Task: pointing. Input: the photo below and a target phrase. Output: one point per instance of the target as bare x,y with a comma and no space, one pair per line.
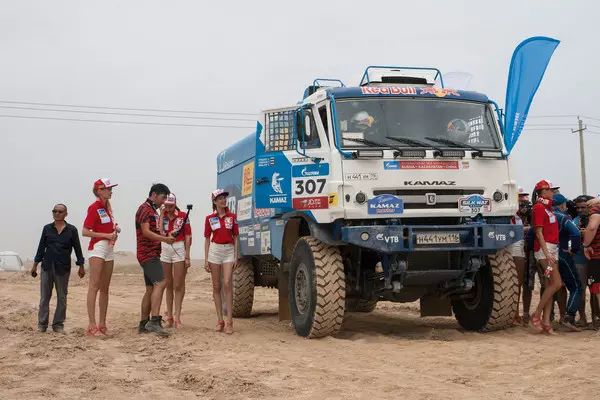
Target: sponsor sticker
389,90
310,170
333,199
265,243
250,241
474,204
247,179
311,203
244,209
266,161
263,212
428,164
385,204
389,165
362,176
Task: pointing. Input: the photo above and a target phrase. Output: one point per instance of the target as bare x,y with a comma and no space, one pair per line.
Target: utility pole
581,154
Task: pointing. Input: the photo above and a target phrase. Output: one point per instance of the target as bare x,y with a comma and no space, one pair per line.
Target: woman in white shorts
221,253
546,228
175,257
99,225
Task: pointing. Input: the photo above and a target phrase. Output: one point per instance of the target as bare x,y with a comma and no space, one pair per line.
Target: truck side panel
235,168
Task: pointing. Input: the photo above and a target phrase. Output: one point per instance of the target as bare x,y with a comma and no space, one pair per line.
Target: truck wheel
243,288
317,288
360,305
495,296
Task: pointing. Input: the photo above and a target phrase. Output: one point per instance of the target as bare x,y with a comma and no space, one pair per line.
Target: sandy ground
391,353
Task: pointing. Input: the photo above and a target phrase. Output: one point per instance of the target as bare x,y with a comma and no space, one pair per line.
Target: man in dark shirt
54,252
148,254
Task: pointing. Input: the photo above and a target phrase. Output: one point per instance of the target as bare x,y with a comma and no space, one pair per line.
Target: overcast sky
242,56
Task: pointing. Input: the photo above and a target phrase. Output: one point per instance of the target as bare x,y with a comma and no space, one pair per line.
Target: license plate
438,238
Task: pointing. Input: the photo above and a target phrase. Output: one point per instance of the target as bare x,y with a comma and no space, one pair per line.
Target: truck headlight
498,196
361,197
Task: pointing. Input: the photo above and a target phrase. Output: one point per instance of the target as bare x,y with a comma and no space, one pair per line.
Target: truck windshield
465,122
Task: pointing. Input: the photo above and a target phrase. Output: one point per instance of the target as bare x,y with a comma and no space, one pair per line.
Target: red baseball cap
103,183
543,184
171,200
219,192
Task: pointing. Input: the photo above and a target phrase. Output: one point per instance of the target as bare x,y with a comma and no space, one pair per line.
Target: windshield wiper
454,143
371,143
414,143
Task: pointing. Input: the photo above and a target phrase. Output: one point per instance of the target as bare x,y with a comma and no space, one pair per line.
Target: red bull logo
439,92
389,90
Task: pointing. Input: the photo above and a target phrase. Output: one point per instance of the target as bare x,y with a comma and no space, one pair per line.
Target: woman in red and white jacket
221,253
546,229
100,226
175,257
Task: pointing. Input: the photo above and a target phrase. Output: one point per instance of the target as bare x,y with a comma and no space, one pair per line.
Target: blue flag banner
527,67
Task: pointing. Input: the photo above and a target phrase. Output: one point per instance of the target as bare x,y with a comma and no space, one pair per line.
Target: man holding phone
148,236
57,242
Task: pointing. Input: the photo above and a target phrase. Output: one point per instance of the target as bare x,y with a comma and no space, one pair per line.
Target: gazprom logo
310,170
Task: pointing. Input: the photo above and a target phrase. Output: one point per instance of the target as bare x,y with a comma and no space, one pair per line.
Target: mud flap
284,303
434,306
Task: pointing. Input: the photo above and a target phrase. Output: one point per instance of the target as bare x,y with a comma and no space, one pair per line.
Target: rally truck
398,189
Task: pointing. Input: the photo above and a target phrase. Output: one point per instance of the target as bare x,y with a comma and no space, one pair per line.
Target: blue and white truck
398,190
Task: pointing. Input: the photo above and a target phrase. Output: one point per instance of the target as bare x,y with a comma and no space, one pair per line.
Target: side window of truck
324,120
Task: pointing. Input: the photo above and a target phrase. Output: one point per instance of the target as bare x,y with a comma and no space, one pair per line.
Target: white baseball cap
219,192
171,200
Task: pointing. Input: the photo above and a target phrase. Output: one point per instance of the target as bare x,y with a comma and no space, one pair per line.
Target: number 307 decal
310,186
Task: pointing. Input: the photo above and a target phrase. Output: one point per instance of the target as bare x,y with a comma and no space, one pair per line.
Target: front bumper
406,238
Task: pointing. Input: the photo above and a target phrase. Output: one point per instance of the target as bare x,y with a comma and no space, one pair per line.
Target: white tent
10,261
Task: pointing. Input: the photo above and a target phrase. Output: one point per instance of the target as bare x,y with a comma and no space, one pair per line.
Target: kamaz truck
397,190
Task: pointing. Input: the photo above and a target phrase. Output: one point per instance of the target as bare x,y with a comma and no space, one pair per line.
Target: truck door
310,164
292,163
273,171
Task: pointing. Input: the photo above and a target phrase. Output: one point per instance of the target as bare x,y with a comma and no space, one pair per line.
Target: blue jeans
569,275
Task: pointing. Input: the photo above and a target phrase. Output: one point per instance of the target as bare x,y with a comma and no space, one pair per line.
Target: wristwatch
585,246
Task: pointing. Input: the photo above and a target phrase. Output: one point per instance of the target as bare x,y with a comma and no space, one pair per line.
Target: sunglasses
58,211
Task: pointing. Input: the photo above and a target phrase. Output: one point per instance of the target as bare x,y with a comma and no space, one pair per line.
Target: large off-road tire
495,296
243,288
317,288
360,305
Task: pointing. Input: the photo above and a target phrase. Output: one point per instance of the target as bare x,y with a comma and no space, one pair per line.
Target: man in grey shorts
148,254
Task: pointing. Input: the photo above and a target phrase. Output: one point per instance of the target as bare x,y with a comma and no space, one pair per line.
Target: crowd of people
561,247
164,239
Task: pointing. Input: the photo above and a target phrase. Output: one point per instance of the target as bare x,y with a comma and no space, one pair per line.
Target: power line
595,126
123,108
124,122
126,114
595,119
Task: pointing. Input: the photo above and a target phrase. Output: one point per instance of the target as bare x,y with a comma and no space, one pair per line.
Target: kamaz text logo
387,239
430,183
